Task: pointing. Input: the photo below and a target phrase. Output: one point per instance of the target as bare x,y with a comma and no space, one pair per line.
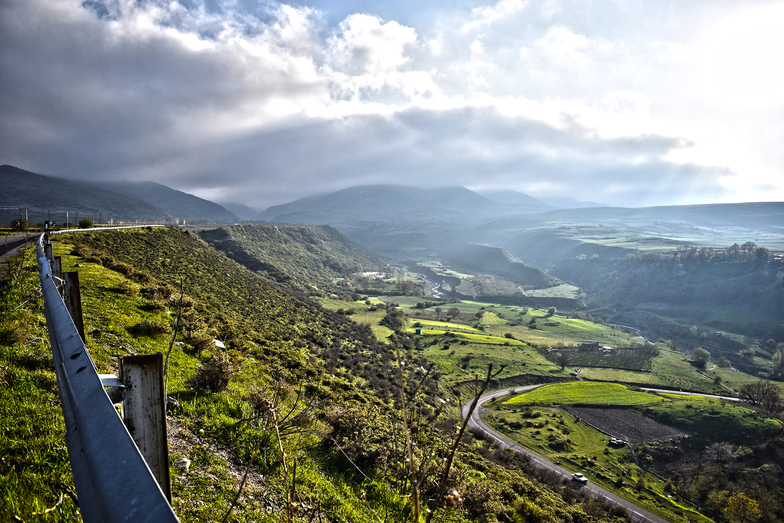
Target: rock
182,464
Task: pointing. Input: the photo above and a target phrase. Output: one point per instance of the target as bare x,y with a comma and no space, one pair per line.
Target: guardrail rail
113,482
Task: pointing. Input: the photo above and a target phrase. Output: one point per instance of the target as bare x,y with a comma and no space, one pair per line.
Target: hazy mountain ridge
177,204
242,211
48,197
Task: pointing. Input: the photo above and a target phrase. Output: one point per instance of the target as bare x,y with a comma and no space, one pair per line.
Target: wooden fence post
145,413
73,301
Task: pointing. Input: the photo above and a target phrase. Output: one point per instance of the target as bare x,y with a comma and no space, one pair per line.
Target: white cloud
364,43
485,16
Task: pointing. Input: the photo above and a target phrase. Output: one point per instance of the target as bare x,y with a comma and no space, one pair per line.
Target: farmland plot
625,424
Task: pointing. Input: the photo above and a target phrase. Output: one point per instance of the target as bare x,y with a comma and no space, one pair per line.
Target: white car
579,478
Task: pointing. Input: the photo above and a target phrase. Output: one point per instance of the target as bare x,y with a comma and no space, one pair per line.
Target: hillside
701,292
308,258
334,385
177,204
46,197
484,259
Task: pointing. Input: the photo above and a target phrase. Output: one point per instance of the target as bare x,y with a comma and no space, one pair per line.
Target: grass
561,438
34,467
709,420
584,393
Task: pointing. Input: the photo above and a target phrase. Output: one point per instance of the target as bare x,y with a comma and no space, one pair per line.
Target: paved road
10,244
637,514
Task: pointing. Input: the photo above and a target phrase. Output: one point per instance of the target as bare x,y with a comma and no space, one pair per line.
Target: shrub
122,268
148,328
86,223
20,224
214,376
126,287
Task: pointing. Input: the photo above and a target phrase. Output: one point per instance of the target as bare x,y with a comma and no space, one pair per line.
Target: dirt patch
626,424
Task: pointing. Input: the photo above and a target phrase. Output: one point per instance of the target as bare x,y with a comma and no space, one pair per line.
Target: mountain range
37,198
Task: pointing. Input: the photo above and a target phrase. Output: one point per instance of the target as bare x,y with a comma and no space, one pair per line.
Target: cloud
265,102
475,147
482,17
364,43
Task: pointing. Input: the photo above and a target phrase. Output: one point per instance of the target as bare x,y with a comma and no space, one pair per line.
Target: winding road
475,423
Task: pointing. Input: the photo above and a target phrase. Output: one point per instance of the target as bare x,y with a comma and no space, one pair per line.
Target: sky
628,103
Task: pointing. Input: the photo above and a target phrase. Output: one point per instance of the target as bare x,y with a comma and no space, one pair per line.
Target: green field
585,393
561,438
503,336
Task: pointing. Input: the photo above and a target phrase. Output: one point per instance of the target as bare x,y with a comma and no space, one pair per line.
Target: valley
364,341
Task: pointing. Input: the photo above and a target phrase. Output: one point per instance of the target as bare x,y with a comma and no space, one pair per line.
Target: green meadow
584,392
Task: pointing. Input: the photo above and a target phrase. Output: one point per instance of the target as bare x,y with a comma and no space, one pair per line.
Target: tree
551,311
453,311
562,359
763,393
86,223
776,362
20,224
720,452
742,508
701,357
724,363
761,252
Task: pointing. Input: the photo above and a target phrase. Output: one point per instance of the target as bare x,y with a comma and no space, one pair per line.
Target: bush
86,223
122,268
214,376
148,328
20,224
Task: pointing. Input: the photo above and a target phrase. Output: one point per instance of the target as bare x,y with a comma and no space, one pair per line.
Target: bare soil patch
626,424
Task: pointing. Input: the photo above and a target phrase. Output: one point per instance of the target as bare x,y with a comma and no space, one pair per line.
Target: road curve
475,423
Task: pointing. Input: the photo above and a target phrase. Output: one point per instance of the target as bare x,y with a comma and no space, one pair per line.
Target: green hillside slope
294,416
309,258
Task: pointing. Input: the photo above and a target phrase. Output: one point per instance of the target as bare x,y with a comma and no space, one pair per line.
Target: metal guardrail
113,482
